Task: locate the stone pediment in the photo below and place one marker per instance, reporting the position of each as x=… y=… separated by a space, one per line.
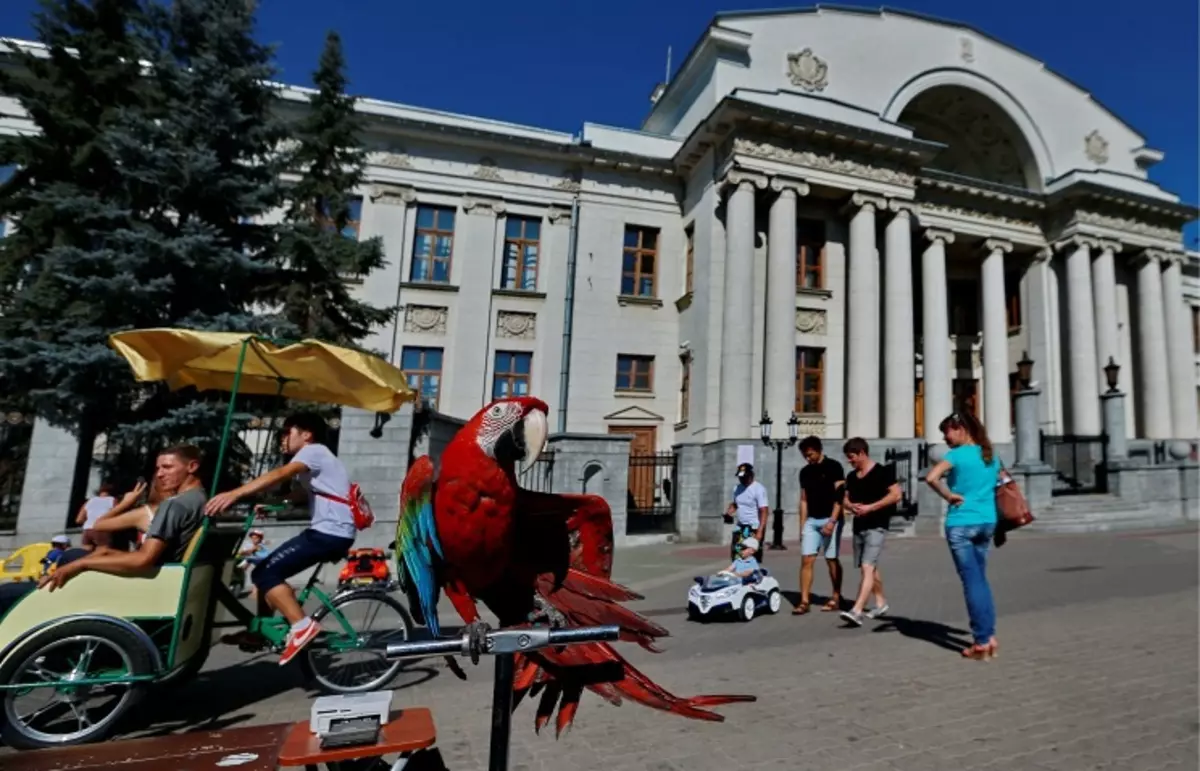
x=635 y=414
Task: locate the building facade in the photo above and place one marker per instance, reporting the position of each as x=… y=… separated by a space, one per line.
x=866 y=218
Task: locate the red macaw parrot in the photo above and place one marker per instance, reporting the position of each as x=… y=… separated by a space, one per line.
x=469 y=530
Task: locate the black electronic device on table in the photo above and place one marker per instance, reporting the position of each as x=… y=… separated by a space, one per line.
x=351 y=732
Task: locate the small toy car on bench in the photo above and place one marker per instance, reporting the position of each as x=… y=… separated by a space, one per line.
x=726 y=592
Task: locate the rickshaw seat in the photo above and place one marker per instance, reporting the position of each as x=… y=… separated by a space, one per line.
x=25 y=564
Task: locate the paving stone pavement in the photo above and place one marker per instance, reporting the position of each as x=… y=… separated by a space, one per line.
x=1098 y=670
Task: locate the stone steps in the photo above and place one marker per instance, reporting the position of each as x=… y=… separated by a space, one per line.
x=1099 y=513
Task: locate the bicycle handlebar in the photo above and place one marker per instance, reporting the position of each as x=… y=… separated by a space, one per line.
x=503 y=641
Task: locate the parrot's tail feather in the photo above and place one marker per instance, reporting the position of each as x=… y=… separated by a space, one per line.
x=718 y=700
x=585 y=610
x=598 y=587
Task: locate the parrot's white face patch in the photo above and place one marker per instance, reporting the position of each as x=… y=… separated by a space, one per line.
x=500 y=418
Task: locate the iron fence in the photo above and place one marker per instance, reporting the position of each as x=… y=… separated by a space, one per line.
x=539 y=477
x=901 y=463
x=16 y=431
x=1079 y=462
x=651 y=496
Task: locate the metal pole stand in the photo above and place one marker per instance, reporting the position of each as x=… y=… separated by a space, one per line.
x=777 y=522
x=502 y=706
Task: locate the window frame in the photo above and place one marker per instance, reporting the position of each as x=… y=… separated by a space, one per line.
x=634 y=360
x=685 y=387
x=1012 y=300
x=521 y=243
x=511 y=375
x=801 y=370
x=689 y=259
x=803 y=244
x=424 y=372
x=434 y=232
x=639 y=251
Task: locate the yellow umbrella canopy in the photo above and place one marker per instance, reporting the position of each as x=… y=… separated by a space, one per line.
x=309 y=370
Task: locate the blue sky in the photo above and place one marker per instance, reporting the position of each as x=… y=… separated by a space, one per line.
x=558 y=63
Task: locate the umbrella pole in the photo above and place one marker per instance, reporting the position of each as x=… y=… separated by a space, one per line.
x=237 y=381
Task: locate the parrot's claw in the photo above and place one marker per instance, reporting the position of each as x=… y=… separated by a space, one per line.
x=546 y=613
x=477 y=632
x=454 y=667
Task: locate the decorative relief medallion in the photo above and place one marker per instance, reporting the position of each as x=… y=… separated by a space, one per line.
x=810 y=321
x=1096 y=148
x=808 y=71
x=425 y=318
x=966 y=49
x=568 y=184
x=522 y=326
x=393 y=157
x=487 y=170
x=811 y=425
x=824 y=161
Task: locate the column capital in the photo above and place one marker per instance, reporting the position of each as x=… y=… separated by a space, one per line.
x=554 y=214
x=492 y=206
x=863 y=200
x=938 y=234
x=1074 y=242
x=903 y=206
x=392 y=194
x=1146 y=256
x=1109 y=245
x=738 y=177
x=1043 y=255
x=1170 y=259
x=998 y=244
x=785 y=184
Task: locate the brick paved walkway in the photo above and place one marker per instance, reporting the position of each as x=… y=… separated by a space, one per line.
x=1098 y=671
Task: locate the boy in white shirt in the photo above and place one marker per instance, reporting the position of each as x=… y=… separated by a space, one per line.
x=328 y=538
x=749 y=510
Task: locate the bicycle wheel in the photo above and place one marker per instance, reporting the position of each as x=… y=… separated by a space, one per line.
x=342 y=662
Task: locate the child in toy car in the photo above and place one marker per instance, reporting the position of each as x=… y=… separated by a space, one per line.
x=744 y=587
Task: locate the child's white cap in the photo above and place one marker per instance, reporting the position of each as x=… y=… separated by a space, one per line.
x=749 y=543
x=60 y=539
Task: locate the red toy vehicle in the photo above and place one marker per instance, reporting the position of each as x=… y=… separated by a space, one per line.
x=365 y=567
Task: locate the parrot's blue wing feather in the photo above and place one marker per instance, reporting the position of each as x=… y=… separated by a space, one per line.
x=418 y=549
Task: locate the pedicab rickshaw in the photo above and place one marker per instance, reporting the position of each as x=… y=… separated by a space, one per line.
x=109 y=636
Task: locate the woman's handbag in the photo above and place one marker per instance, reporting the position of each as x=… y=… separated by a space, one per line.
x=1011 y=505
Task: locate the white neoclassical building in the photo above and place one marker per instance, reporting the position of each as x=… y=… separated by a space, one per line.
x=866 y=217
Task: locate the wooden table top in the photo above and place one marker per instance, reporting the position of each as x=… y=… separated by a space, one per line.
x=408 y=730
x=238 y=749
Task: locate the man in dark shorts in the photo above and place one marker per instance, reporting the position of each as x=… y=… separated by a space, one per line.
x=871 y=497
x=820 y=522
x=176 y=521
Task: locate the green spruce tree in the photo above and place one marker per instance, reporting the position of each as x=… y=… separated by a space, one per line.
x=319 y=246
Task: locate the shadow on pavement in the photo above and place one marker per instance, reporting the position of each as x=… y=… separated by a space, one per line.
x=943 y=636
x=220 y=698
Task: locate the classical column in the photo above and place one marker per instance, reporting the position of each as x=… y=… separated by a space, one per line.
x=899 y=367
x=1104 y=290
x=862 y=315
x=780 y=349
x=737 y=332
x=1181 y=357
x=935 y=333
x=1155 y=387
x=1085 y=371
x=997 y=415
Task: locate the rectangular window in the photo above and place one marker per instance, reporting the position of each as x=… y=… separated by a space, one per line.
x=689 y=259
x=964 y=307
x=685 y=387
x=635 y=373
x=1014 y=388
x=810 y=380
x=423 y=369
x=353 y=218
x=1012 y=299
x=433 y=245
x=522 y=246
x=510 y=376
x=639 y=263
x=966 y=395
x=810 y=254
x=1196 y=328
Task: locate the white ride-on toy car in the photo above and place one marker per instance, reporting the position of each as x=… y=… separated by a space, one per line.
x=726 y=592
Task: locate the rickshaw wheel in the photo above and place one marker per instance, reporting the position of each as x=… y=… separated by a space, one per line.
x=361 y=608
x=77 y=650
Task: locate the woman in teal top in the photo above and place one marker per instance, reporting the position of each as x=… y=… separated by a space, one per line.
x=973 y=471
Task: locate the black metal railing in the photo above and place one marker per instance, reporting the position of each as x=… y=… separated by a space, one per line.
x=1079 y=462
x=16 y=431
x=540 y=476
x=901 y=463
x=651 y=496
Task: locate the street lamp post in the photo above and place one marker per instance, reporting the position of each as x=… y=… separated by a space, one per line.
x=779 y=445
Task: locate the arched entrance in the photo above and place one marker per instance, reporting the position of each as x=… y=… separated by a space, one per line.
x=982 y=140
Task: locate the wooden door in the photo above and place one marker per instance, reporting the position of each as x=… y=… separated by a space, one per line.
x=641 y=474
x=919 y=409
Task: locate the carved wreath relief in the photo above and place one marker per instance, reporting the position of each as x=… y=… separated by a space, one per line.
x=1096 y=148
x=514 y=324
x=425 y=318
x=810 y=321
x=808 y=71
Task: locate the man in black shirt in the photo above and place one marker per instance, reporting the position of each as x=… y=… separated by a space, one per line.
x=820 y=522
x=871 y=497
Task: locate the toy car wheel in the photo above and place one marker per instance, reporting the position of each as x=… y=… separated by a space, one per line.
x=774 y=601
x=53 y=711
x=748 y=607
x=694 y=613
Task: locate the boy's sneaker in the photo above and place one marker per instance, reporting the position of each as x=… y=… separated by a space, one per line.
x=852 y=617
x=297 y=639
x=874 y=613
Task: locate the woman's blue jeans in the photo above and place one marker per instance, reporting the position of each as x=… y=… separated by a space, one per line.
x=969 y=547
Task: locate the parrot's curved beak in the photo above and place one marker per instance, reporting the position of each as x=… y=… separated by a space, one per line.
x=535 y=430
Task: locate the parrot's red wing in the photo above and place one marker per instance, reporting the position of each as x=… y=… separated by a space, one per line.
x=567 y=545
